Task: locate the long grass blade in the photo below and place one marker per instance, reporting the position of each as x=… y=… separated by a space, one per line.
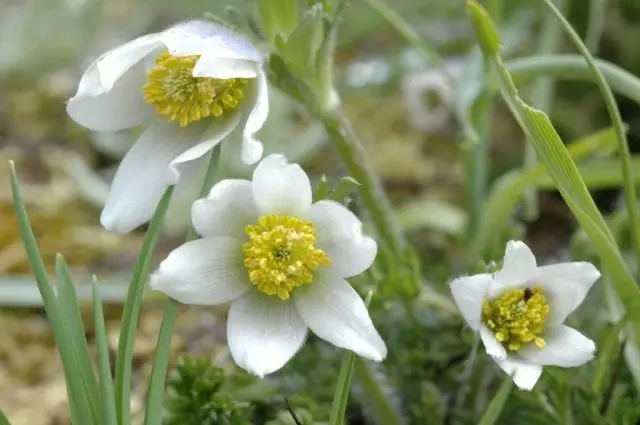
x=108 y=401
x=153 y=415
x=70 y=308
x=79 y=403
x=131 y=311
x=497 y=403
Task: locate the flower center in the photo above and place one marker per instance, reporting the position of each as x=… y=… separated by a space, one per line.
x=517 y=317
x=179 y=96
x=280 y=254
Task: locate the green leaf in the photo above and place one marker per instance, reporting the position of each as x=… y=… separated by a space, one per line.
x=70 y=308
x=608 y=355
x=345 y=187
x=497 y=403
x=573 y=67
x=485 y=30
x=343 y=387
x=321 y=190
x=553 y=154
x=79 y=403
x=153 y=415
x=131 y=311
x=624 y=154
x=155 y=392
x=300 y=49
x=278 y=17
x=108 y=405
x=3 y=419
x=509 y=189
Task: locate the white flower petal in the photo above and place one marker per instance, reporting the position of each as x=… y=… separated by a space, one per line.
x=144 y=174
x=207 y=38
x=524 y=374
x=335 y=312
x=264 y=332
x=212 y=132
x=491 y=344
x=203 y=272
x=339 y=235
x=109 y=95
x=252 y=148
x=469 y=293
x=226 y=211
x=280 y=187
x=565 y=347
x=580 y=275
x=223 y=68
x=118 y=108
x=519 y=265
x=561 y=298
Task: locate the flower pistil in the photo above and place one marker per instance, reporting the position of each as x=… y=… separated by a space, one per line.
x=179 y=96
x=517 y=317
x=281 y=254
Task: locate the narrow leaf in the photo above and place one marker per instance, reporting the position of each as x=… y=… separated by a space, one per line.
x=497 y=403
x=155 y=393
x=108 y=405
x=343 y=387
x=153 y=414
x=79 y=403
x=508 y=191
x=629 y=187
x=608 y=354
x=70 y=308
x=3 y=419
x=131 y=310
x=553 y=154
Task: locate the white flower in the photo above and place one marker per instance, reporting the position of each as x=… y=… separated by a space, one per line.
x=281 y=261
x=191 y=85
x=519 y=312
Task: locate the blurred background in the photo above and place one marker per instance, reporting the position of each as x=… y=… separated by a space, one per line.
x=406 y=112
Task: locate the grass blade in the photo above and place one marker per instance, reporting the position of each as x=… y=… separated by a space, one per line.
x=3 y=419
x=343 y=387
x=614 y=112
x=509 y=188
x=104 y=365
x=79 y=403
x=70 y=308
x=498 y=401
x=131 y=311
x=553 y=154
x=153 y=414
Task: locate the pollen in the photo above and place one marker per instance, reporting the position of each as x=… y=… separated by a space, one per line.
x=179 y=96
x=517 y=317
x=280 y=254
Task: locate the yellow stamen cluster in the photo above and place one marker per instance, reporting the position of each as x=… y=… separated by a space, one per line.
x=280 y=254
x=179 y=96
x=517 y=317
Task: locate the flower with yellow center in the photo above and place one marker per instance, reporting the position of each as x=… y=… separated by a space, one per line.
x=281 y=261
x=519 y=313
x=190 y=85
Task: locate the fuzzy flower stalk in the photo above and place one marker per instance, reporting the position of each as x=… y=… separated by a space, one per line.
x=190 y=86
x=281 y=261
x=519 y=313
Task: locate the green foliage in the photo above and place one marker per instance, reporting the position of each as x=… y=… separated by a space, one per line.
x=194 y=397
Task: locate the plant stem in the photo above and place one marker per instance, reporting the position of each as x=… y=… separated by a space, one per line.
x=153 y=415
x=385 y=413
x=614 y=113
x=541 y=98
x=353 y=156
